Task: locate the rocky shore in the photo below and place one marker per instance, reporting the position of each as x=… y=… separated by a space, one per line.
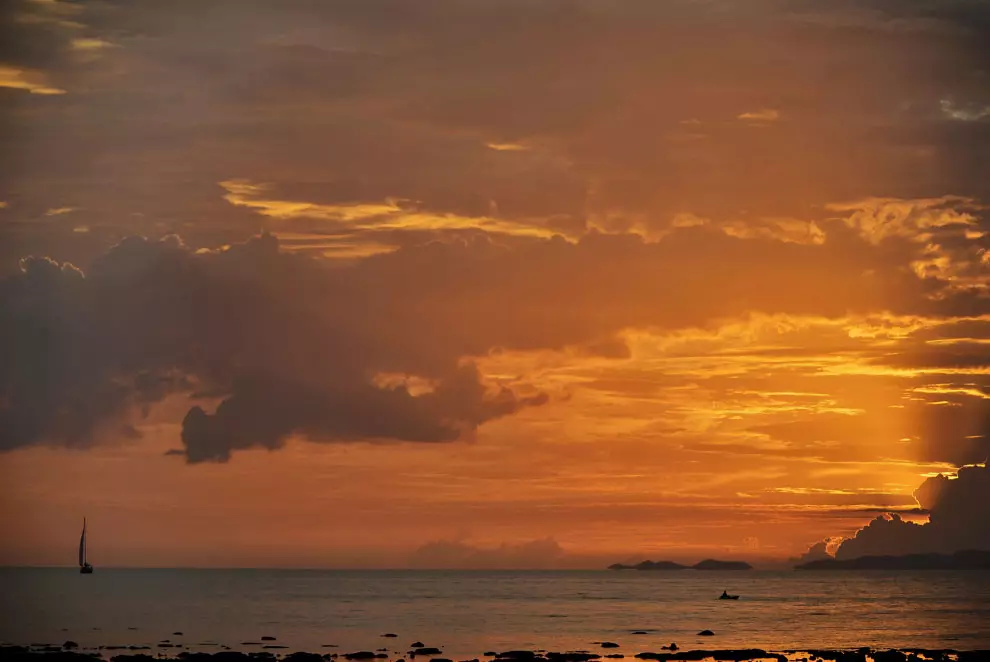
x=66 y=653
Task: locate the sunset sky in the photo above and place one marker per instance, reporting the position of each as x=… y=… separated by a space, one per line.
x=527 y=283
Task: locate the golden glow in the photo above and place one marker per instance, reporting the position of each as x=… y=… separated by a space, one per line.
x=22 y=79
x=389 y=215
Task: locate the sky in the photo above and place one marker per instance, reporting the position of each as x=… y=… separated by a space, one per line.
x=493 y=283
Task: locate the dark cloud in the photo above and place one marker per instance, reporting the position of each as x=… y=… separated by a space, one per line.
x=34 y=35
x=358 y=102
x=295 y=343
x=959 y=520
x=273 y=332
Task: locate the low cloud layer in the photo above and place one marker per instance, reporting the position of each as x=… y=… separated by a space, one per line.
x=545 y=553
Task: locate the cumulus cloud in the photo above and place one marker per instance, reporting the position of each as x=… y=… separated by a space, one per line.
x=274 y=335
x=959 y=519
x=823 y=549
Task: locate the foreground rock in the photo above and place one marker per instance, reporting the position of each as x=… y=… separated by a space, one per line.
x=48 y=653
x=719 y=655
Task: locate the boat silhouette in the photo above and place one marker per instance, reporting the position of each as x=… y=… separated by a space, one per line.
x=84 y=566
x=725 y=596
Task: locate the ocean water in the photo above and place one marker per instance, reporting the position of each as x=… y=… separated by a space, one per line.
x=468 y=613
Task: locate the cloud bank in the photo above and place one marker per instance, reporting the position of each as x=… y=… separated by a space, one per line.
x=959 y=519
x=270 y=334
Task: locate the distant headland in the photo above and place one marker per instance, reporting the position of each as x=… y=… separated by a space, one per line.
x=966 y=560
x=707 y=564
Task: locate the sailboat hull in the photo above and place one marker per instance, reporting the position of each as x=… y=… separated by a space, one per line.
x=86 y=570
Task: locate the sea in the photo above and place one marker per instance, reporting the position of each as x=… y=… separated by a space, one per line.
x=468 y=613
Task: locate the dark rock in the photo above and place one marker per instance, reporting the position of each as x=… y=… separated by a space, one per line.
x=177 y=634
x=639 y=632
x=304 y=657
x=609 y=644
x=719 y=655
x=706 y=633
x=491 y=654
x=166 y=646
x=70 y=644
x=266 y=638
x=140 y=657
x=390 y=635
x=274 y=646
x=363 y=655
x=139 y=648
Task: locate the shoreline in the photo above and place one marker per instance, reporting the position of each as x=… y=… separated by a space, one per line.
x=53 y=653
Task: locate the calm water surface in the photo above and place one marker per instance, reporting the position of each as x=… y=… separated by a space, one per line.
x=467 y=613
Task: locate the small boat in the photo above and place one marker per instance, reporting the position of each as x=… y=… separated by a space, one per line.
x=84 y=566
x=726 y=596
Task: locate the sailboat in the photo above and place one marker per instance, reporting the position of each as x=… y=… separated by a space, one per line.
x=84 y=567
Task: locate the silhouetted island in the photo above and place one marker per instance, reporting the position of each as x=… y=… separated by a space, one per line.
x=707 y=564
x=966 y=560
x=712 y=564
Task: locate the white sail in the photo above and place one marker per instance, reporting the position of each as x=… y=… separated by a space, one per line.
x=82 y=545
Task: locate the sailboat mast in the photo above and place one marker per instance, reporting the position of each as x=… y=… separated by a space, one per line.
x=82 y=545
